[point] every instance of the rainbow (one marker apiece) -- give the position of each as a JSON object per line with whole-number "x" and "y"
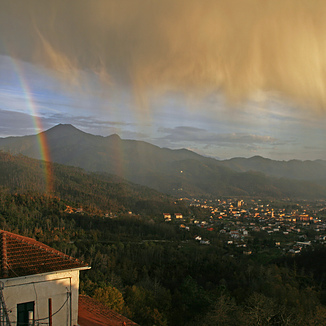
{"x": 37, "y": 124}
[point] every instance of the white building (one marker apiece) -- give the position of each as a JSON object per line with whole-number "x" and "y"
{"x": 39, "y": 284}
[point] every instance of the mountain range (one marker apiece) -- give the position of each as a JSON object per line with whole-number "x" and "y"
{"x": 177, "y": 172}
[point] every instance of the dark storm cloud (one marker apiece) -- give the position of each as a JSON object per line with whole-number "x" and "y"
{"x": 192, "y": 46}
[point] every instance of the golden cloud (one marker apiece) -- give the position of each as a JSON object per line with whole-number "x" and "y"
{"x": 237, "y": 46}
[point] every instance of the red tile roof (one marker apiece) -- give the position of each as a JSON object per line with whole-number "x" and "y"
{"x": 21, "y": 256}
{"x": 93, "y": 313}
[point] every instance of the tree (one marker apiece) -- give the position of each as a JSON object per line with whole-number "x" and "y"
{"x": 111, "y": 297}
{"x": 143, "y": 307}
{"x": 224, "y": 313}
{"x": 260, "y": 309}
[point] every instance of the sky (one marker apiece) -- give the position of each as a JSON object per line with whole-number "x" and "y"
{"x": 225, "y": 79}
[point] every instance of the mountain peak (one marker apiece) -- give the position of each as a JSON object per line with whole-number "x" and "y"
{"x": 114, "y": 137}
{"x": 257, "y": 157}
{"x": 64, "y": 130}
{"x": 63, "y": 126}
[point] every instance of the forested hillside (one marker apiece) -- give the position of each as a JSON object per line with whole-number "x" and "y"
{"x": 95, "y": 192}
{"x": 152, "y": 271}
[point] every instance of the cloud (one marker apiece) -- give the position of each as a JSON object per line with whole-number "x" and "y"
{"x": 86, "y": 121}
{"x": 201, "y": 136}
{"x": 15, "y": 123}
{"x": 21, "y": 124}
{"x": 192, "y": 46}
{"x": 91, "y": 124}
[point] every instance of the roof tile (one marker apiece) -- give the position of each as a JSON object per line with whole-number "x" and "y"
{"x": 22, "y": 256}
{"x": 93, "y": 313}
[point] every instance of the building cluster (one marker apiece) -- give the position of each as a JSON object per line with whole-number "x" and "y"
{"x": 294, "y": 226}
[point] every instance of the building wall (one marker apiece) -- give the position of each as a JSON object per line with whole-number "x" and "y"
{"x": 61, "y": 287}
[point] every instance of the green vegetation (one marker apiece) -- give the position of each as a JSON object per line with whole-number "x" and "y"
{"x": 152, "y": 271}
{"x": 98, "y": 193}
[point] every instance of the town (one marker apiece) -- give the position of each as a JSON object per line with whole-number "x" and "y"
{"x": 253, "y": 226}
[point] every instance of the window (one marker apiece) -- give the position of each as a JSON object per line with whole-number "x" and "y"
{"x": 25, "y": 314}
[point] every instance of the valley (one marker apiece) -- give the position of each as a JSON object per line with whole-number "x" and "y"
{"x": 193, "y": 255}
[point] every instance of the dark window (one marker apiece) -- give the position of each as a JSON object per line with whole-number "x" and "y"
{"x": 25, "y": 314}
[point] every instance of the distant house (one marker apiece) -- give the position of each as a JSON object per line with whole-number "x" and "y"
{"x": 69, "y": 210}
{"x": 294, "y": 251}
{"x": 305, "y": 217}
{"x": 239, "y": 203}
{"x": 234, "y": 234}
{"x": 178, "y": 215}
{"x": 304, "y": 243}
{"x": 167, "y": 217}
{"x": 39, "y": 285}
